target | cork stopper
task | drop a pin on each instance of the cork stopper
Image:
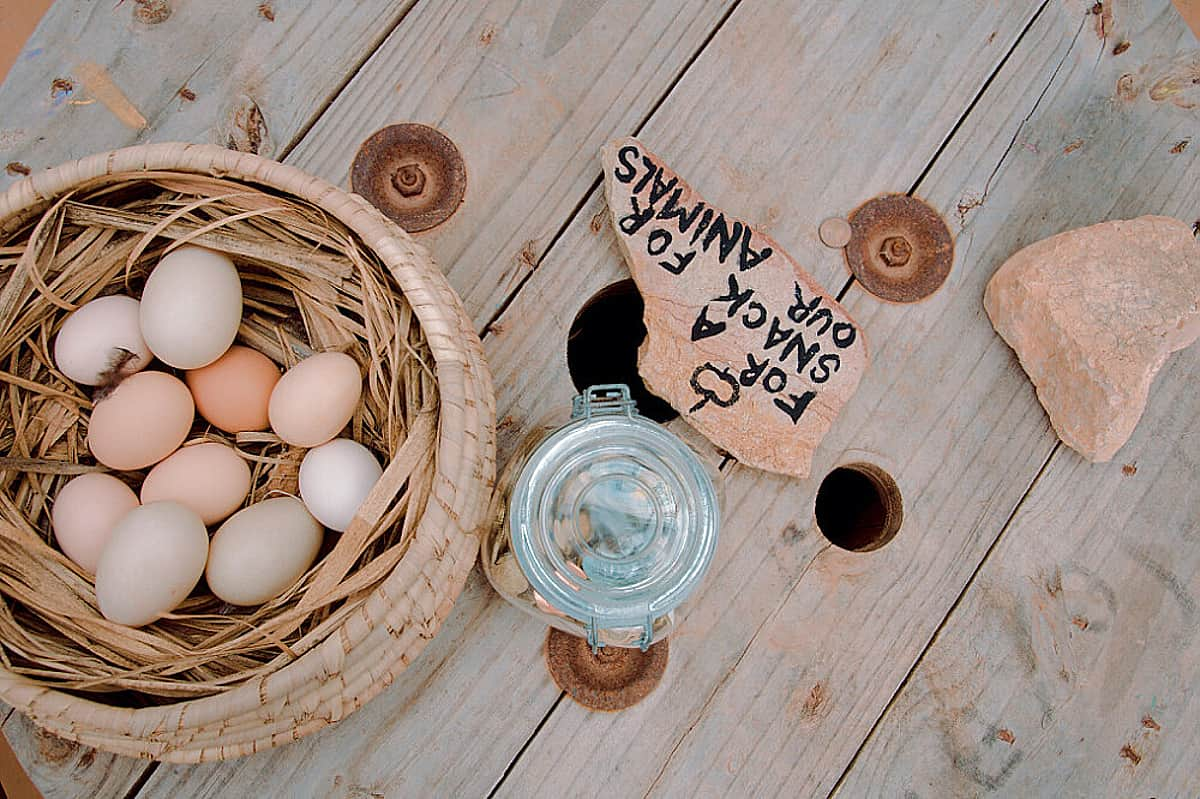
(610, 680)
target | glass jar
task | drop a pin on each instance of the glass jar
(602, 527)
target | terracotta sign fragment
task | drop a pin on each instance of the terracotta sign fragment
(1093, 314)
(744, 344)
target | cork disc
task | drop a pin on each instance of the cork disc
(901, 250)
(612, 679)
(412, 173)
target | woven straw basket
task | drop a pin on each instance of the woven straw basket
(369, 646)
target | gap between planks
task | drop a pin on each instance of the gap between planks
(142, 779)
(596, 184)
(319, 111)
(512, 763)
(912, 190)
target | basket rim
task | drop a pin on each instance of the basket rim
(365, 653)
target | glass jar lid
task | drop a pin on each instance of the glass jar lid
(613, 519)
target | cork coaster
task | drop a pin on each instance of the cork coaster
(612, 679)
(901, 249)
(412, 173)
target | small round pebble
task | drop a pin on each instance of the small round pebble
(835, 232)
(508, 577)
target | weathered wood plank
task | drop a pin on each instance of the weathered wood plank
(528, 92)
(440, 730)
(62, 768)
(227, 72)
(783, 718)
(784, 674)
(519, 638)
(1069, 669)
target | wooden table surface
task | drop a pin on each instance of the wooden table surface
(1032, 629)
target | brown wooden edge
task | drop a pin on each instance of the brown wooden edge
(14, 782)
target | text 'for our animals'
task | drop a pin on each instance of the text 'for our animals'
(739, 339)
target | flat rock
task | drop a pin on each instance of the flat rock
(745, 345)
(1093, 314)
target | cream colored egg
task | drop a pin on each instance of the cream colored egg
(102, 342)
(315, 399)
(262, 551)
(191, 307)
(210, 479)
(85, 512)
(152, 562)
(335, 478)
(143, 421)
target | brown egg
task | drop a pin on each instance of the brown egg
(315, 399)
(210, 479)
(143, 421)
(85, 513)
(233, 392)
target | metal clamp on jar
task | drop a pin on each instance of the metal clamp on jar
(602, 527)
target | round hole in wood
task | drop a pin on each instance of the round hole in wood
(612, 679)
(859, 507)
(602, 346)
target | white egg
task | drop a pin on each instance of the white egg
(335, 478)
(102, 340)
(191, 307)
(152, 561)
(260, 551)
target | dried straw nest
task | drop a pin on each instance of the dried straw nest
(321, 270)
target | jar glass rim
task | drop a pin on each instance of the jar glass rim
(613, 518)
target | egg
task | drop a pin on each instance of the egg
(153, 560)
(262, 551)
(315, 399)
(102, 342)
(233, 392)
(143, 421)
(191, 307)
(85, 512)
(335, 478)
(210, 479)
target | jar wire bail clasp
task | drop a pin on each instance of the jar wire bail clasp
(604, 399)
(594, 629)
